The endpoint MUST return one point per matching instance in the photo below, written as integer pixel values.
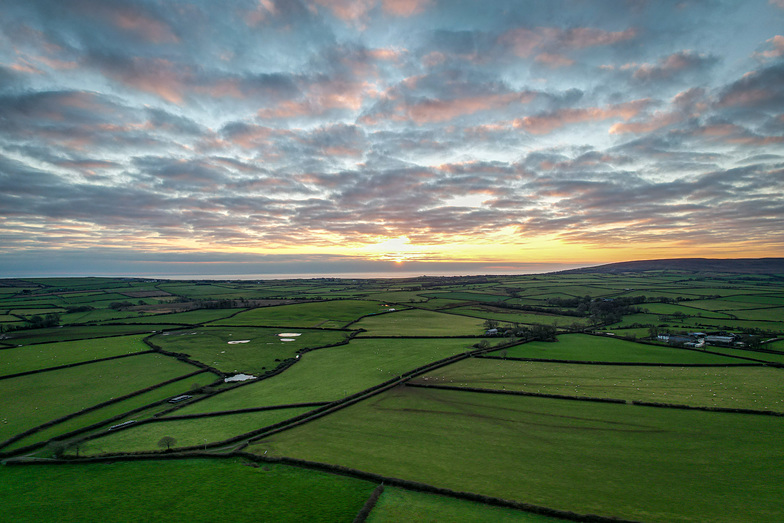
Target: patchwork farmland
(637, 396)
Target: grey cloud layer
(281, 123)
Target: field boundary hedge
(517, 393)
(707, 409)
(627, 364)
(77, 364)
(367, 508)
(112, 401)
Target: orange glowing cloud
(657, 122)
(405, 8)
(348, 10)
(777, 44)
(147, 27)
(554, 60)
(524, 41)
(547, 123)
(430, 111)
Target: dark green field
(584, 457)
(571, 336)
(174, 491)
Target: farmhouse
(679, 339)
(720, 341)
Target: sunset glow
(136, 136)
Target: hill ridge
(725, 265)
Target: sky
(284, 136)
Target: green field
(194, 317)
(618, 460)
(34, 399)
(589, 459)
(54, 335)
(758, 388)
(42, 356)
(417, 322)
(116, 409)
(263, 350)
(174, 491)
(528, 318)
(584, 347)
(397, 504)
(333, 373)
(187, 432)
(328, 314)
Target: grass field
(771, 314)
(187, 432)
(527, 318)
(671, 308)
(397, 504)
(42, 356)
(467, 296)
(639, 463)
(194, 317)
(584, 347)
(327, 314)
(34, 399)
(57, 334)
(210, 345)
(600, 459)
(99, 415)
(333, 373)
(416, 322)
(758, 388)
(106, 315)
(175, 491)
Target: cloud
(405, 7)
(548, 122)
(524, 41)
(757, 89)
(671, 66)
(273, 125)
(776, 48)
(554, 60)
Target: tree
(167, 441)
(491, 324)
